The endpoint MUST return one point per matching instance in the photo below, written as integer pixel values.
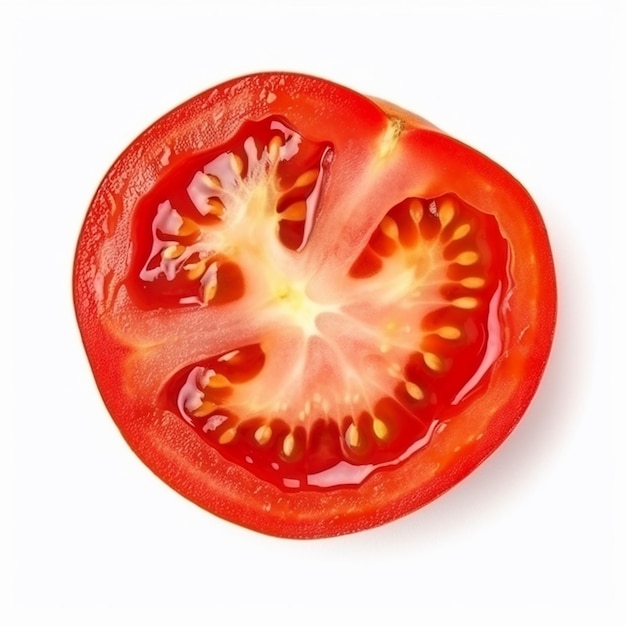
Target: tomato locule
(309, 311)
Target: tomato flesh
(297, 309)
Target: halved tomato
(308, 311)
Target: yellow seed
(465, 303)
(295, 212)
(414, 390)
(416, 210)
(212, 181)
(446, 211)
(460, 232)
(188, 227)
(389, 227)
(205, 408)
(380, 428)
(215, 206)
(209, 291)
(263, 434)
(352, 436)
(385, 347)
(209, 283)
(195, 270)
(469, 257)
(449, 332)
(433, 361)
(473, 282)
(218, 381)
(307, 178)
(289, 443)
(236, 162)
(393, 372)
(274, 147)
(228, 435)
(173, 252)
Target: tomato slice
(308, 311)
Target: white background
(534, 534)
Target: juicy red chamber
(331, 388)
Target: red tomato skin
(472, 431)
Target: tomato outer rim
(185, 462)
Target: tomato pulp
(309, 311)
